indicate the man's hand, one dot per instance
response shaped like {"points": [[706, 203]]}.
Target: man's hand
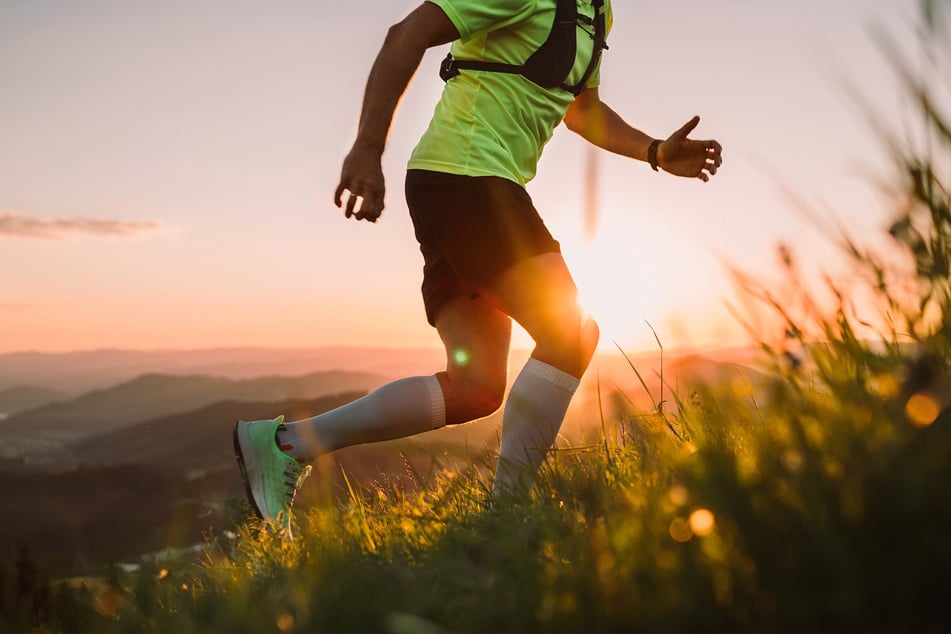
{"points": [[362, 179], [681, 156], [406, 42]]}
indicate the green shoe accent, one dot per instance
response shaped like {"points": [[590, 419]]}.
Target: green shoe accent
{"points": [[271, 477]]}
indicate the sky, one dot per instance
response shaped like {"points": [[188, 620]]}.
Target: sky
{"points": [[167, 168]]}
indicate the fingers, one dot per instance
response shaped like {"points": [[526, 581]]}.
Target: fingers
{"points": [[713, 159], [714, 153], [690, 157], [686, 128], [357, 206], [354, 204]]}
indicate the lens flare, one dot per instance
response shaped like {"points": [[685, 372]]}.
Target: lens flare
{"points": [[460, 356]]}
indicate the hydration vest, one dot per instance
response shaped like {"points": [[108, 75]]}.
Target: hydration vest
{"points": [[550, 65]]}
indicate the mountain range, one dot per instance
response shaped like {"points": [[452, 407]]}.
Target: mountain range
{"points": [[75, 373], [156, 395], [147, 461]]}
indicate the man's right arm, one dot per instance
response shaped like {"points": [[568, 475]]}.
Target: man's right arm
{"points": [[398, 59]]}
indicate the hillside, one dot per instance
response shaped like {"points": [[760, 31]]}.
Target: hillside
{"points": [[169, 481], [156, 395], [695, 370], [191, 441], [158, 485], [23, 397], [83, 371]]}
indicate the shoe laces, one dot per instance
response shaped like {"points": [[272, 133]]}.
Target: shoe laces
{"points": [[294, 476]]}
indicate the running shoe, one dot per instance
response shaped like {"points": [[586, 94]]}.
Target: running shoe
{"points": [[271, 477]]}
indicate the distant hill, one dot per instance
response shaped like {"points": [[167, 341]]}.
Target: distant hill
{"points": [[692, 370], [160, 484], [199, 440], [77, 516], [79, 372], [166, 482], [23, 397], [155, 395]]}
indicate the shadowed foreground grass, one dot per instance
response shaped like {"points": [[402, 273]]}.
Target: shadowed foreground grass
{"points": [[826, 509]]}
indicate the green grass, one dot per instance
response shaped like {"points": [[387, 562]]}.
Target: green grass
{"points": [[816, 504], [826, 513]]}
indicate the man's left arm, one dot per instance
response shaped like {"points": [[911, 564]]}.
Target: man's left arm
{"points": [[601, 125]]}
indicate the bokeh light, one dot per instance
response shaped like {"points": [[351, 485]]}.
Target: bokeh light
{"points": [[702, 522], [285, 622], [792, 460], [678, 495], [680, 530], [922, 410]]}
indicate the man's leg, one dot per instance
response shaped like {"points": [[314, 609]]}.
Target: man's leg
{"points": [[476, 336], [540, 294]]}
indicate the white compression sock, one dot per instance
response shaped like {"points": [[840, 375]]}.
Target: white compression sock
{"points": [[533, 414], [395, 410]]}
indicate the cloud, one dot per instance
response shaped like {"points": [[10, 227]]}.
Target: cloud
{"points": [[22, 226]]}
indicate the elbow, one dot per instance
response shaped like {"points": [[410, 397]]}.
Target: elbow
{"points": [[571, 124], [574, 121], [398, 33]]}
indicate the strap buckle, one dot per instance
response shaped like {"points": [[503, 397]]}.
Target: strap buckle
{"points": [[447, 69]]}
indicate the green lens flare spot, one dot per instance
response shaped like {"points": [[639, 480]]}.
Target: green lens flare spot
{"points": [[460, 356]]}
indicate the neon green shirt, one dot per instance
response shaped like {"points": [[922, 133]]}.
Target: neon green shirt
{"points": [[496, 124]]}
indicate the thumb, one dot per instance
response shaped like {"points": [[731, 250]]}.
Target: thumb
{"points": [[687, 128]]}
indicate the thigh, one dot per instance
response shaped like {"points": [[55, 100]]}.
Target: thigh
{"points": [[540, 294], [471, 229]]}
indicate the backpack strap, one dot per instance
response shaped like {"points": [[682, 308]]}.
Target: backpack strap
{"points": [[600, 45], [550, 65], [450, 67]]}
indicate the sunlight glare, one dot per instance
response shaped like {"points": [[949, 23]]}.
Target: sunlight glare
{"points": [[633, 270]]}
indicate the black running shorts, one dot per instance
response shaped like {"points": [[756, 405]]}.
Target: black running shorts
{"points": [[470, 229]]}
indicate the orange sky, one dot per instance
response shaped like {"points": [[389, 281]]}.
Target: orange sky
{"points": [[166, 169]]}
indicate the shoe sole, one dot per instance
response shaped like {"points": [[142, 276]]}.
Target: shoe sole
{"points": [[240, 436]]}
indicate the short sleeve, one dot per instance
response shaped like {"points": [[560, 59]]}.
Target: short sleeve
{"points": [[474, 16]]}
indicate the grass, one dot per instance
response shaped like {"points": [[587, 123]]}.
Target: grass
{"points": [[818, 503], [826, 510]]}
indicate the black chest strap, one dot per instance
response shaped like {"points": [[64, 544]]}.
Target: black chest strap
{"points": [[550, 65]]}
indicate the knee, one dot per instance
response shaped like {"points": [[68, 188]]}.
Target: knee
{"points": [[470, 400], [590, 335], [486, 401], [477, 402], [571, 347]]}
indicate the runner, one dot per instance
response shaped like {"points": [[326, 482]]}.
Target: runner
{"points": [[516, 70]]}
